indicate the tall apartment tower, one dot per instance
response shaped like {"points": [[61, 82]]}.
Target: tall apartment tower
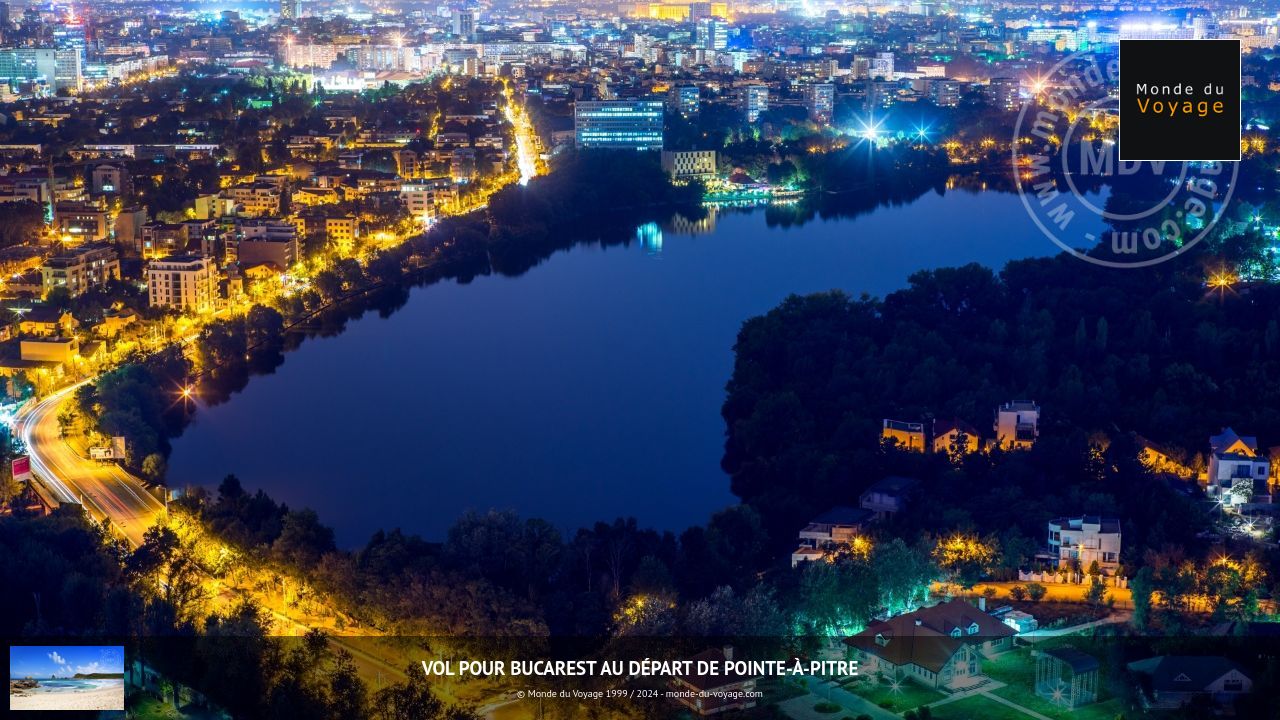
{"points": [[464, 24]]}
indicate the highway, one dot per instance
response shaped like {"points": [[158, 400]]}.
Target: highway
{"points": [[111, 495]]}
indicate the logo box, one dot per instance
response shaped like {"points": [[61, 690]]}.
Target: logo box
{"points": [[1180, 100]]}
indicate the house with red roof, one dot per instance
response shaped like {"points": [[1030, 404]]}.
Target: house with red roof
{"points": [[940, 647]]}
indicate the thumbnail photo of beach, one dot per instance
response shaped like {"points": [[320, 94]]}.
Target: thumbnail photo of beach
{"points": [[66, 677]]}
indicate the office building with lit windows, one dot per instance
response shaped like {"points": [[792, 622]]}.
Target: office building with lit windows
{"points": [[618, 124]]}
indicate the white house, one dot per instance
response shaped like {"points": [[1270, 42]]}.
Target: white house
{"points": [[1017, 425], [1237, 471], [1086, 539]]}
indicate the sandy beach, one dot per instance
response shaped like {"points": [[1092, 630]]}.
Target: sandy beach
{"points": [[106, 698]]}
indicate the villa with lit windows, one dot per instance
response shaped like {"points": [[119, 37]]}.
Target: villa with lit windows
{"points": [[1238, 474], [907, 435], [1017, 425], [1078, 542], [825, 534], [940, 647]]}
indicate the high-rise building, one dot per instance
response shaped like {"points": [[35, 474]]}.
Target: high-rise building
{"points": [[820, 101], [618, 124], [29, 66], [69, 69], [464, 24], [290, 9], [712, 34], [755, 100]]}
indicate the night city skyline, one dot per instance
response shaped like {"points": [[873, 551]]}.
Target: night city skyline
{"points": [[773, 359]]}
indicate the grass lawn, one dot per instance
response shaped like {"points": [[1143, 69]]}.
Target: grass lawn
{"points": [[977, 708], [145, 707], [908, 696], [1017, 669]]}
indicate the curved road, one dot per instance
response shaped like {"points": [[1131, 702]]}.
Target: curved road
{"points": [[122, 502], [110, 494]]}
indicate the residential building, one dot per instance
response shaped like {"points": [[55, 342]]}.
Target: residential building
{"points": [[907, 435], [1003, 93], [1017, 425], [81, 222], [162, 239], [109, 180], [188, 283], [80, 269], [944, 92], [255, 199], [1078, 542], [820, 101], [755, 100], [684, 100], [690, 164], [421, 197], [888, 495], [264, 241], [618, 124], [342, 231], [716, 692], [61, 350], [840, 527], [1176, 680], [290, 9], [940, 647], [47, 321], [1237, 473], [955, 436], [128, 227]]}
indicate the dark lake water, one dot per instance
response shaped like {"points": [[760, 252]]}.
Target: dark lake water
{"points": [[588, 388]]}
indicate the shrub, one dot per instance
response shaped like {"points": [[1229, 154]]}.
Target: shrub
{"points": [[1036, 591]]}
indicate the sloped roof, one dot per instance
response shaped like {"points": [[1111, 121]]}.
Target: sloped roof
{"points": [[1222, 442], [924, 637], [1184, 673], [1078, 661]]}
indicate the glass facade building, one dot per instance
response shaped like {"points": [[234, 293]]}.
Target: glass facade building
{"points": [[618, 124]]}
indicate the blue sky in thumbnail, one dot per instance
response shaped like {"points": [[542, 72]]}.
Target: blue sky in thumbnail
{"points": [[64, 660]]}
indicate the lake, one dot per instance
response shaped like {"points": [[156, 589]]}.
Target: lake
{"points": [[586, 389]]}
